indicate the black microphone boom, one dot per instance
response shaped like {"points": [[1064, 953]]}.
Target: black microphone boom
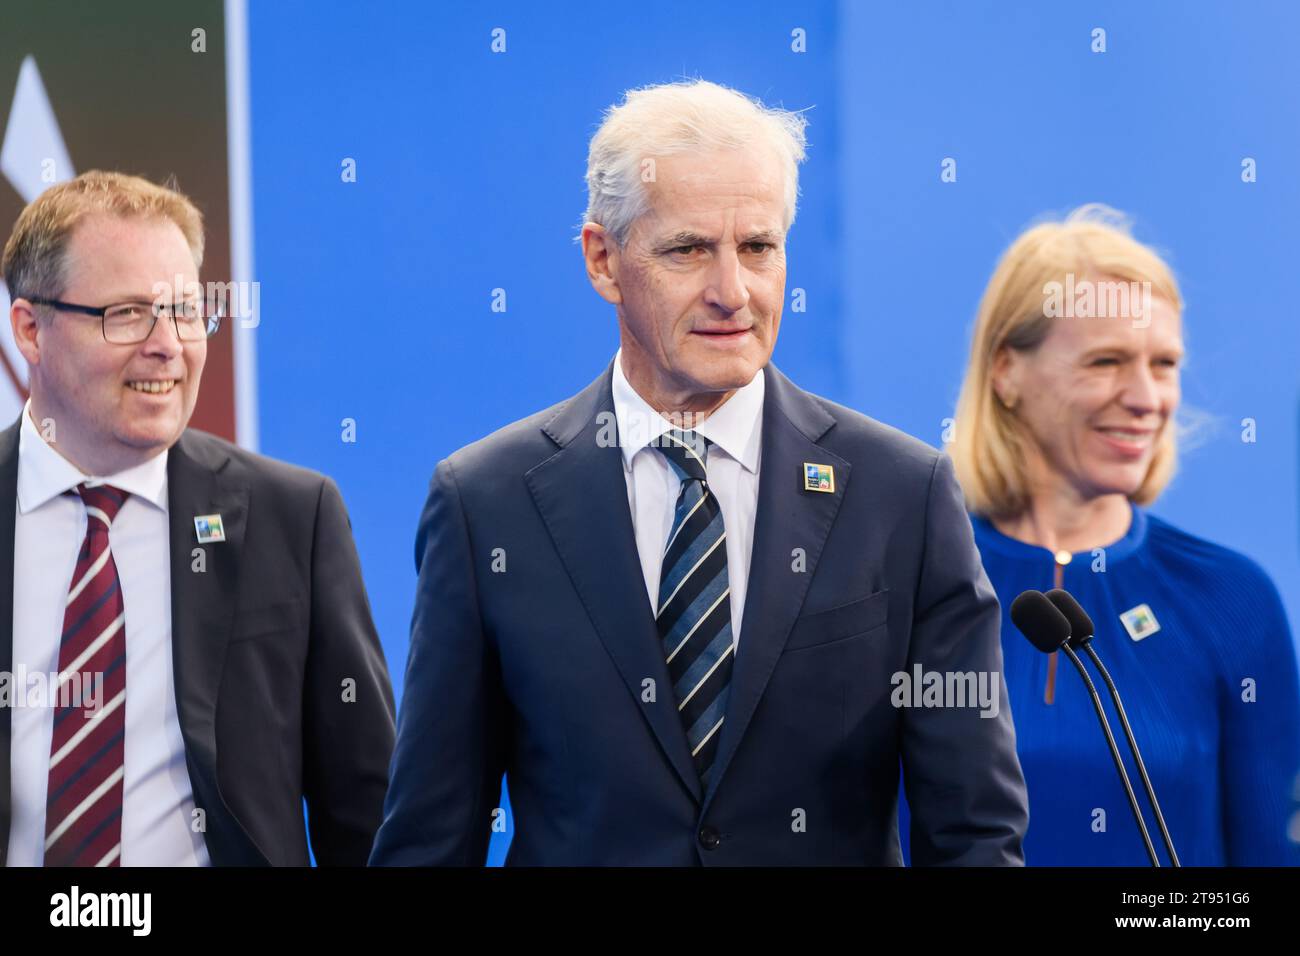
{"points": [[1049, 630], [1081, 634]]}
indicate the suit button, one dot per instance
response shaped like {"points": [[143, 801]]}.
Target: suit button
{"points": [[710, 838]]}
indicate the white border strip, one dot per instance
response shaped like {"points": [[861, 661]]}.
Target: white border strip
{"points": [[239, 163]]}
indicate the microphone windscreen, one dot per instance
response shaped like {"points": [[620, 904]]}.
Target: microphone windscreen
{"points": [[1081, 627], [1040, 621]]}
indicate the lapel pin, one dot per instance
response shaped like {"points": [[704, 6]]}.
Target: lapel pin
{"points": [[209, 528], [1139, 622], [818, 478]]}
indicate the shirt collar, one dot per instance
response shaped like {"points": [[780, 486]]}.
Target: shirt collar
{"points": [[44, 474], [735, 426]]}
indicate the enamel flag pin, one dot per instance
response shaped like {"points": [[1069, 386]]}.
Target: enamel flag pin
{"points": [[1139, 622], [209, 528], [818, 478]]}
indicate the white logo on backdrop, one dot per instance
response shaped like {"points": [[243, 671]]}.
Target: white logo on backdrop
{"points": [[33, 158]]}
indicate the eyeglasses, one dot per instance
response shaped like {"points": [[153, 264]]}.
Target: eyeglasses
{"points": [[129, 323]]}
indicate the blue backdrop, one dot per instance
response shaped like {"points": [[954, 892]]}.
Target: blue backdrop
{"points": [[377, 294]]}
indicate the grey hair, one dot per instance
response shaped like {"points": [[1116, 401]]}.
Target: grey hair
{"points": [[687, 116]]}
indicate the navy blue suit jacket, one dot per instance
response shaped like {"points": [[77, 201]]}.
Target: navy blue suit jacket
{"points": [[534, 653]]}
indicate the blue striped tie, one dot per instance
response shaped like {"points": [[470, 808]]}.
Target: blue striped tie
{"points": [[694, 610]]}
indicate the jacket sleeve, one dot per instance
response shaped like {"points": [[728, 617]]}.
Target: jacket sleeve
{"points": [[1260, 736], [451, 731], [960, 770], [348, 698]]}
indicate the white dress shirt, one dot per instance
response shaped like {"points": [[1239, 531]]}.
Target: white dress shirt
{"points": [[735, 429], [157, 799]]}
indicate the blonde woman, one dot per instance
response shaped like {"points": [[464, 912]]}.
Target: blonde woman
{"points": [[1064, 433]]}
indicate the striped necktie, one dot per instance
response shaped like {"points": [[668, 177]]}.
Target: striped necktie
{"points": [[83, 807], [694, 610]]}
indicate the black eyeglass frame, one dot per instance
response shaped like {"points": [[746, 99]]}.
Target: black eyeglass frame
{"points": [[213, 320]]}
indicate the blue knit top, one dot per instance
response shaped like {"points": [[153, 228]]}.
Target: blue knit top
{"points": [[1207, 673]]}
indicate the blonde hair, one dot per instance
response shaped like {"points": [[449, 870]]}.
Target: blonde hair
{"points": [[35, 257], [688, 116], [989, 442]]}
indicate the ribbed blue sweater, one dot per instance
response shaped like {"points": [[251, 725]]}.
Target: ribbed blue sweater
{"points": [[1212, 697]]}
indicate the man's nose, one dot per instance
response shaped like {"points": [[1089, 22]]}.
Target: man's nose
{"points": [[727, 289], [163, 339]]}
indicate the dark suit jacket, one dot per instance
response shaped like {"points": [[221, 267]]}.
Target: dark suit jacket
{"points": [[262, 641], [533, 646]]}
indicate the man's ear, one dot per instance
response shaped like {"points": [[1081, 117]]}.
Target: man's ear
{"points": [[601, 254], [25, 324]]}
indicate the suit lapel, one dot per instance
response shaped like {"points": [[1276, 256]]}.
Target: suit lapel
{"points": [[581, 494], [788, 517], [203, 598], [202, 603], [8, 508]]}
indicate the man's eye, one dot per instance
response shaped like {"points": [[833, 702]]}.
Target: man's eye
{"points": [[760, 247], [684, 250], [1106, 360]]}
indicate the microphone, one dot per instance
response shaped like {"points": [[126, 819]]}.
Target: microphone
{"points": [[1040, 621], [1081, 634], [1049, 630]]}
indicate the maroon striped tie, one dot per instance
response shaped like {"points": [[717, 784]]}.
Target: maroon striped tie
{"points": [[83, 807]]}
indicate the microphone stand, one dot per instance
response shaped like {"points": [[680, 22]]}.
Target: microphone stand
{"points": [[1114, 750], [1137, 755]]}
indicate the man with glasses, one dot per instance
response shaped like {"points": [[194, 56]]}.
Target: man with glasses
{"points": [[192, 653]]}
